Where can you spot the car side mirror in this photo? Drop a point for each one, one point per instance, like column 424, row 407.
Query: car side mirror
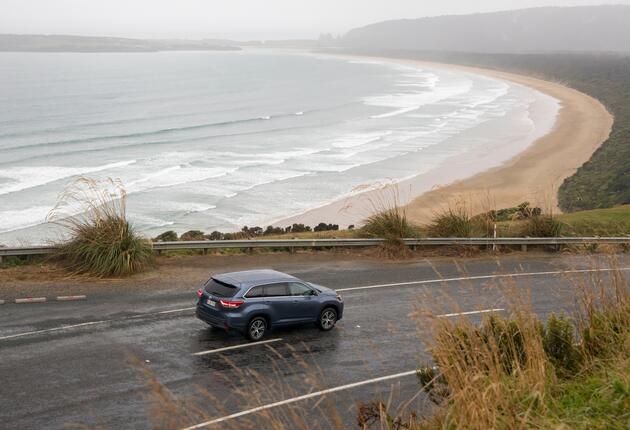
column 314, row 293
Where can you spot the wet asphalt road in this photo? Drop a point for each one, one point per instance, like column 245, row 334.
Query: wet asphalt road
column 90, row 375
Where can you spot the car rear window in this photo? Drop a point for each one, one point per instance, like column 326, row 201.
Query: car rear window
column 220, row 289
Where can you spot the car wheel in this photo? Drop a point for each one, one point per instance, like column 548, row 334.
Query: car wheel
column 257, row 328
column 327, row 319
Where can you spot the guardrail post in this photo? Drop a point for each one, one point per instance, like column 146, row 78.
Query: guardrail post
column 1, row 259
column 524, row 247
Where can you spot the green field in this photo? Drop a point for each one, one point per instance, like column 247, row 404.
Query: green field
column 598, row 222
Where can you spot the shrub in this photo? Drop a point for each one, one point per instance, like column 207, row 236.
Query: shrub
column 298, row 228
column 271, row 230
column 452, row 223
column 560, row 345
column 542, row 226
column 520, row 212
column 390, row 224
column 167, row 236
column 215, row 235
column 192, row 235
column 252, row 231
column 322, row 226
column 101, row 240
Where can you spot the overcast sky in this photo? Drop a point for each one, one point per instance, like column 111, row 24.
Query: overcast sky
column 239, row 19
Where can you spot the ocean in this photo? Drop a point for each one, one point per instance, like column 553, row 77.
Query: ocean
column 220, row 140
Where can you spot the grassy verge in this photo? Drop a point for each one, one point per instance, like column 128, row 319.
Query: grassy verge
column 598, row 222
column 524, row 372
column 599, row 399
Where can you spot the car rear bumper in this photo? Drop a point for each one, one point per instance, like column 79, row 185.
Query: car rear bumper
column 215, row 319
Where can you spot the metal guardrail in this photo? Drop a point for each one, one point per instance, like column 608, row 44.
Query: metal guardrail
column 343, row 243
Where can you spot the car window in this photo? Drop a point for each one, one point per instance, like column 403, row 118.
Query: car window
column 256, row 292
column 297, row 289
column 220, row 289
column 276, row 290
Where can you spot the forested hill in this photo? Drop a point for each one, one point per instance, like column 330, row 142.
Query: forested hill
column 547, row 29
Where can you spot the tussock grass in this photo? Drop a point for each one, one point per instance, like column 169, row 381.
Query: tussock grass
column 453, row 222
column 389, row 221
column 101, row 242
column 543, row 226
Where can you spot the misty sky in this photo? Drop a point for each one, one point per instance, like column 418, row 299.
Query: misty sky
column 238, row 19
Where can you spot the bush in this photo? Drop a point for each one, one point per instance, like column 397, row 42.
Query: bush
column 271, row 230
column 542, row 226
column 252, row 231
column 167, row 236
column 560, row 345
column 215, row 235
column 452, row 223
column 298, row 228
column 322, row 226
column 102, row 242
column 192, row 235
column 390, row 224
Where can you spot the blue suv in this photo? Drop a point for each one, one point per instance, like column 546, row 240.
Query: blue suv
column 256, row 301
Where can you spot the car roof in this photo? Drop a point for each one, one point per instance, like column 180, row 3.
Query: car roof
column 250, row 278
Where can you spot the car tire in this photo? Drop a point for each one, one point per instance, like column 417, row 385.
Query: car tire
column 256, row 329
column 327, row 319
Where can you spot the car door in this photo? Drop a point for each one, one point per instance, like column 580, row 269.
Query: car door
column 277, row 297
column 305, row 304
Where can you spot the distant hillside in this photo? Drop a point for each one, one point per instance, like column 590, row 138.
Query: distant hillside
column 547, row 29
column 59, row 43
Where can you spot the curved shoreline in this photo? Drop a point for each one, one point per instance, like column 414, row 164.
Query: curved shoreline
column 534, row 175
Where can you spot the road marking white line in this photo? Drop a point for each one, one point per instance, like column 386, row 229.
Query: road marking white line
column 229, row 348
column 474, row 278
column 65, row 327
column 485, row 311
column 175, row 310
column 300, row 398
column 367, row 287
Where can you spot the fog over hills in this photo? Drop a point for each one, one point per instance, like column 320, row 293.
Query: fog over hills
column 547, row 29
column 63, row 43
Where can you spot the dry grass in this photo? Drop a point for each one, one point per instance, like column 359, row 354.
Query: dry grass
column 519, row 372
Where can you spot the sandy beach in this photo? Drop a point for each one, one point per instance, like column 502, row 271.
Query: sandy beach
column 533, row 175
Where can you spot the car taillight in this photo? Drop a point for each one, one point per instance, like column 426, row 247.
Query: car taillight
column 199, row 293
column 231, row 304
